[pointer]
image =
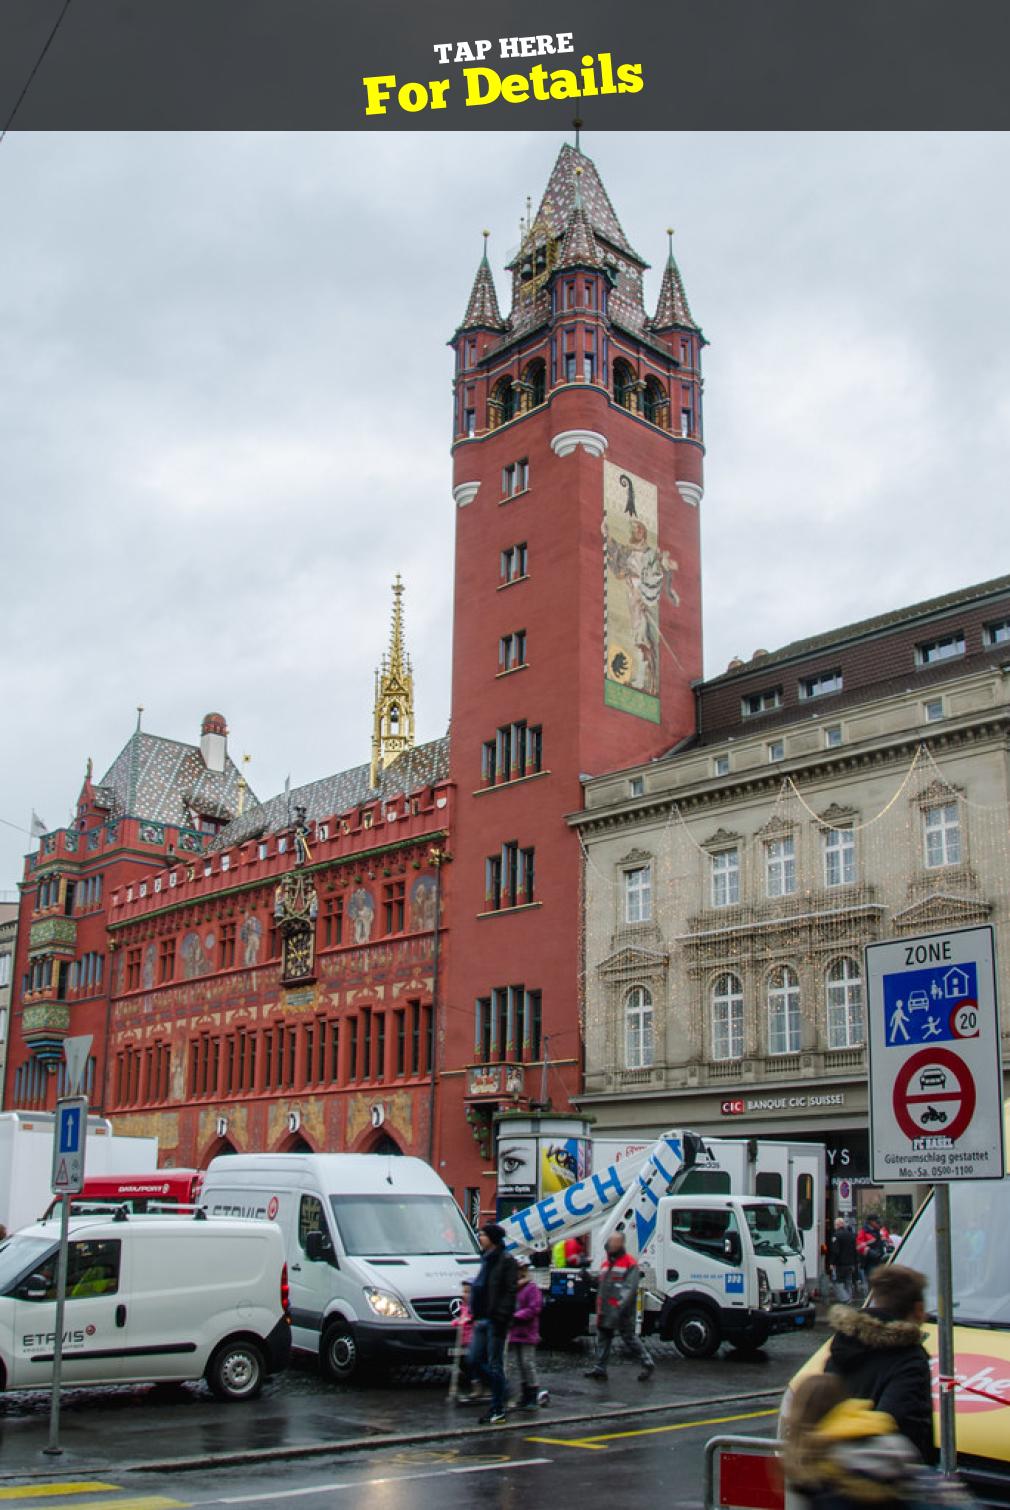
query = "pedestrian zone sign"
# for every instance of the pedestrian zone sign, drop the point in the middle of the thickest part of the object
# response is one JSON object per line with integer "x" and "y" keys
{"x": 936, "y": 1081}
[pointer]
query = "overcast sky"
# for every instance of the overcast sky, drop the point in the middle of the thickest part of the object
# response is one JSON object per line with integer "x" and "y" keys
{"x": 225, "y": 411}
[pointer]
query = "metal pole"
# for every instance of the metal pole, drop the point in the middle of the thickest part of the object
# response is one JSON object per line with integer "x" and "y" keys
{"x": 54, "y": 1449}
{"x": 945, "y": 1329}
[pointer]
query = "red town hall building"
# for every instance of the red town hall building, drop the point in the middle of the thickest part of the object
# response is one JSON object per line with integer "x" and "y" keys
{"x": 387, "y": 957}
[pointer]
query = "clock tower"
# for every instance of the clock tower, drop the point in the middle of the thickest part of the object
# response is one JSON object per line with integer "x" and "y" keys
{"x": 577, "y": 481}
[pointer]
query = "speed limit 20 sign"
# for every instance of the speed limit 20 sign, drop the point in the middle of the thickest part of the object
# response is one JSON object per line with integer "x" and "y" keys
{"x": 936, "y": 1082}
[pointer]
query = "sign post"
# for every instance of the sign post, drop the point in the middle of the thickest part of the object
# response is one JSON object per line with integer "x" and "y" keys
{"x": 70, "y": 1133}
{"x": 936, "y": 1092}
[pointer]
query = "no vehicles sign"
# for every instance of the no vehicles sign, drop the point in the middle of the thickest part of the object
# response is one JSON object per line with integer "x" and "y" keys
{"x": 936, "y": 1083}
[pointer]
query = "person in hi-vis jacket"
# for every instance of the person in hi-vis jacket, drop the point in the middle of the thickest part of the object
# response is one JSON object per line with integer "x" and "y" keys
{"x": 615, "y": 1309}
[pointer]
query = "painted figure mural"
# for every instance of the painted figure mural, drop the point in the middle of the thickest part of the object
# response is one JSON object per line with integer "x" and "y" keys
{"x": 638, "y": 575}
{"x": 251, "y": 934}
{"x": 197, "y": 954}
{"x": 361, "y": 911}
{"x": 422, "y": 904}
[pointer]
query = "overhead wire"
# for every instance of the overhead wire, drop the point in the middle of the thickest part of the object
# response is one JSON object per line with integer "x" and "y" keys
{"x": 35, "y": 68}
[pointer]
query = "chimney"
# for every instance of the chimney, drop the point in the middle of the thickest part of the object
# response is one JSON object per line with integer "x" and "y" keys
{"x": 214, "y": 741}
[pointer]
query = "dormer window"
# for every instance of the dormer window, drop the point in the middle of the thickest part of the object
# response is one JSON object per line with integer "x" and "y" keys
{"x": 947, "y": 648}
{"x": 761, "y": 702}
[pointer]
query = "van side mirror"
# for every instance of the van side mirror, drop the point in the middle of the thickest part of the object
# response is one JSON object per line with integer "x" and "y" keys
{"x": 35, "y": 1287}
{"x": 318, "y": 1247}
{"x": 731, "y": 1247}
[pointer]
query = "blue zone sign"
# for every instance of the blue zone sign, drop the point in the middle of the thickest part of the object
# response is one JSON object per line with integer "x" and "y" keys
{"x": 938, "y": 1005}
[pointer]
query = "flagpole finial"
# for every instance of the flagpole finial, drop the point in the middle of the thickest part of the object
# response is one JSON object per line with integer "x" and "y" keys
{"x": 140, "y": 714}
{"x": 577, "y": 123}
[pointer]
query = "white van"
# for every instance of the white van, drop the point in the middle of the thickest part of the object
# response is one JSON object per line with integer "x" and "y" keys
{"x": 377, "y": 1250}
{"x": 150, "y": 1299}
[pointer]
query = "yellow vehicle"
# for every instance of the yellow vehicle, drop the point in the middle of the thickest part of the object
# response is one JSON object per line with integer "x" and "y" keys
{"x": 980, "y": 1240}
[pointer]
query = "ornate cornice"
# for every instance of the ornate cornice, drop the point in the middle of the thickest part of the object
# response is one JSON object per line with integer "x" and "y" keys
{"x": 567, "y": 441}
{"x": 703, "y": 795}
{"x": 465, "y": 492}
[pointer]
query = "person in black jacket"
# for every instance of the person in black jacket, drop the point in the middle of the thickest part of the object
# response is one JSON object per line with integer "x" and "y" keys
{"x": 842, "y": 1258}
{"x": 492, "y": 1303}
{"x": 879, "y": 1355}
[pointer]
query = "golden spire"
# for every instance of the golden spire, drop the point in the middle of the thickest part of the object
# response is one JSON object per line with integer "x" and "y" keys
{"x": 393, "y": 716}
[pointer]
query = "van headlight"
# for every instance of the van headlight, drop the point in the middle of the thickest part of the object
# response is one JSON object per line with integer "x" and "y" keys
{"x": 388, "y": 1306}
{"x": 764, "y": 1291}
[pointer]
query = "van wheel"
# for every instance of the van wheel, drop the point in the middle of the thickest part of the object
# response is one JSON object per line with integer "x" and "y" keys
{"x": 695, "y": 1332}
{"x": 236, "y": 1371}
{"x": 338, "y": 1353}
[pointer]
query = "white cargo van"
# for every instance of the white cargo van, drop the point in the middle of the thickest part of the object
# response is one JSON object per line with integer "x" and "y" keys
{"x": 149, "y": 1299}
{"x": 377, "y": 1250}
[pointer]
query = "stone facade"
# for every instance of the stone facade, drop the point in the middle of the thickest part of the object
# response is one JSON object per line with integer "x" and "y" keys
{"x": 737, "y": 881}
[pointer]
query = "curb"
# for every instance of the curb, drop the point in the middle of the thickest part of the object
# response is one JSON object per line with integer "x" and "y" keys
{"x": 373, "y": 1443}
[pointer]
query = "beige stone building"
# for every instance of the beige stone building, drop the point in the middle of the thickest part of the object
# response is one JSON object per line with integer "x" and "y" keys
{"x": 848, "y": 788}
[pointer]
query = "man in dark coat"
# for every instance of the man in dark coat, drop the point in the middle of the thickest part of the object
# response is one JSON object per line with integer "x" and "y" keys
{"x": 492, "y": 1303}
{"x": 842, "y": 1258}
{"x": 879, "y": 1355}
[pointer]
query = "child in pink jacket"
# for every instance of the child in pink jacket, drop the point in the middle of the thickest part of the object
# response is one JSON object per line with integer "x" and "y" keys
{"x": 524, "y": 1334}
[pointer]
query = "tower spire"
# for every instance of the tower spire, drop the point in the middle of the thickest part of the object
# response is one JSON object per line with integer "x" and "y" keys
{"x": 579, "y": 248}
{"x": 672, "y": 308}
{"x": 393, "y": 717}
{"x": 482, "y": 312}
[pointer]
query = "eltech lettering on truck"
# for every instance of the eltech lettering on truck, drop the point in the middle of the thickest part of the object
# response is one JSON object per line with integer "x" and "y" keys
{"x": 716, "y": 1268}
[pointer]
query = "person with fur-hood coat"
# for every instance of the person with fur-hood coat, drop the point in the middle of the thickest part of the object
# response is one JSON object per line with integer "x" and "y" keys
{"x": 879, "y": 1356}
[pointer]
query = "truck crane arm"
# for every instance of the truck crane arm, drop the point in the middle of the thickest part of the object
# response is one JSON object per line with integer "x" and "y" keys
{"x": 615, "y": 1199}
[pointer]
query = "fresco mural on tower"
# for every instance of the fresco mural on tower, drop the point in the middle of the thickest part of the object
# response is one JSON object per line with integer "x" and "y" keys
{"x": 637, "y": 575}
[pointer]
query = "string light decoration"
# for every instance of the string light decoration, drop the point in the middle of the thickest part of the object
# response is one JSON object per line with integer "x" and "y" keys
{"x": 804, "y": 878}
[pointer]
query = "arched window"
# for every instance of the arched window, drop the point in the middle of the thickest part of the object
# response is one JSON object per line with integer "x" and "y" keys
{"x": 784, "y": 1033}
{"x": 655, "y": 404}
{"x": 727, "y": 1018}
{"x": 535, "y": 377}
{"x": 502, "y": 403}
{"x": 844, "y": 982}
{"x": 639, "y": 1038}
{"x": 624, "y": 385}
{"x": 394, "y": 719}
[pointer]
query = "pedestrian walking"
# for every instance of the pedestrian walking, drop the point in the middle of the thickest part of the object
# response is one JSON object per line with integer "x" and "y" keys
{"x": 524, "y": 1335}
{"x": 615, "y": 1310}
{"x": 842, "y": 1258}
{"x": 840, "y": 1454}
{"x": 879, "y": 1356}
{"x": 464, "y": 1387}
{"x": 870, "y": 1246}
{"x": 492, "y": 1303}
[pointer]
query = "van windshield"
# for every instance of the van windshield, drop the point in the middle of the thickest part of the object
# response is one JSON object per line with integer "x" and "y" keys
{"x": 773, "y": 1231}
{"x": 387, "y": 1226}
{"x": 980, "y": 1233}
{"x": 19, "y": 1255}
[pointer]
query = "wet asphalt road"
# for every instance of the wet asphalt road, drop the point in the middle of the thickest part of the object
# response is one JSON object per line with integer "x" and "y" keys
{"x": 123, "y": 1446}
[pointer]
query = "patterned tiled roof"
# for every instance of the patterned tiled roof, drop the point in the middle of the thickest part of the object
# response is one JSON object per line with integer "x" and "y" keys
{"x": 890, "y": 620}
{"x": 482, "y": 310}
{"x": 420, "y": 767}
{"x": 579, "y": 247}
{"x": 558, "y": 202}
{"x": 672, "y": 308}
{"x": 166, "y": 781}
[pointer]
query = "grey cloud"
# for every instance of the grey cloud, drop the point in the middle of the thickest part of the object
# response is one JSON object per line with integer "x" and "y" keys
{"x": 224, "y": 410}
